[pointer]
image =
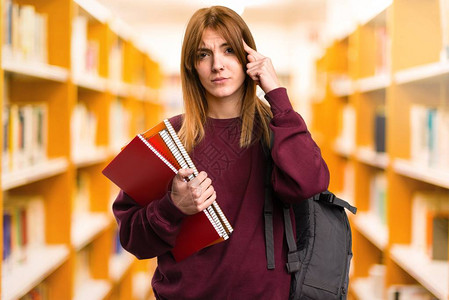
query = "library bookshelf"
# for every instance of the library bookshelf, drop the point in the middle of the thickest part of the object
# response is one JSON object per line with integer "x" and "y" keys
{"x": 383, "y": 122}
{"x": 74, "y": 91}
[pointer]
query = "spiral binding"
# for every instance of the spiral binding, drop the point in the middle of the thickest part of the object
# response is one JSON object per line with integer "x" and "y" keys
{"x": 182, "y": 157}
{"x": 186, "y": 156}
{"x": 174, "y": 150}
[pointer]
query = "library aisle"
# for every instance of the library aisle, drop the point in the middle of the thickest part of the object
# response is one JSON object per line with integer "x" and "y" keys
{"x": 388, "y": 148}
{"x": 76, "y": 88}
{"x": 74, "y": 91}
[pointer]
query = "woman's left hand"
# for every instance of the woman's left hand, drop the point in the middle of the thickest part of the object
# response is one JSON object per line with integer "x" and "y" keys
{"x": 261, "y": 70}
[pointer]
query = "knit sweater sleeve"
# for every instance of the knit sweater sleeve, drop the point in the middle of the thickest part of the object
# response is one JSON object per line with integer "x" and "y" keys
{"x": 299, "y": 170}
{"x": 147, "y": 231}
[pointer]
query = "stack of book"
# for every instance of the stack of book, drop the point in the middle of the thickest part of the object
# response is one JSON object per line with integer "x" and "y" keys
{"x": 144, "y": 169}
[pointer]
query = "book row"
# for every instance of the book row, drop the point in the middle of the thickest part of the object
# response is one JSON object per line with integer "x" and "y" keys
{"x": 85, "y": 52}
{"x": 346, "y": 138}
{"x": 23, "y": 229}
{"x": 84, "y": 124}
{"x": 25, "y": 32}
{"x": 24, "y": 136}
{"x": 429, "y": 136}
{"x": 430, "y": 224}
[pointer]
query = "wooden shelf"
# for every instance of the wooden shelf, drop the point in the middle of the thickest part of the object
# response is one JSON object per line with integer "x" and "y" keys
{"x": 40, "y": 263}
{"x": 343, "y": 148}
{"x": 342, "y": 87}
{"x": 426, "y": 73}
{"x": 433, "y": 275}
{"x": 372, "y": 158}
{"x": 373, "y": 10}
{"x": 86, "y": 226}
{"x": 90, "y": 82}
{"x": 426, "y": 174}
{"x": 93, "y": 289}
{"x": 42, "y": 170}
{"x": 372, "y": 228}
{"x": 120, "y": 89}
{"x": 96, "y": 10}
{"x": 370, "y": 84}
{"x": 35, "y": 70}
{"x": 95, "y": 156}
{"x": 417, "y": 76}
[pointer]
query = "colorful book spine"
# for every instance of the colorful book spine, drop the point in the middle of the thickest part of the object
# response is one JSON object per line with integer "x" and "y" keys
{"x": 429, "y": 136}
{"x": 25, "y": 136}
{"x": 430, "y": 224}
{"x": 23, "y": 228}
{"x": 25, "y": 33}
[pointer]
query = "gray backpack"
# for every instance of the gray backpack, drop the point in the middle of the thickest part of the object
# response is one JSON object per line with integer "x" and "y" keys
{"x": 319, "y": 256}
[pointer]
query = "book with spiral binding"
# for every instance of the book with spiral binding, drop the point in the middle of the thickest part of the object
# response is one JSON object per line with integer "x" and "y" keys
{"x": 144, "y": 169}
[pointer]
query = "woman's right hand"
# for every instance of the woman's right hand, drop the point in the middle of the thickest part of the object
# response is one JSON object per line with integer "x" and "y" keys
{"x": 192, "y": 196}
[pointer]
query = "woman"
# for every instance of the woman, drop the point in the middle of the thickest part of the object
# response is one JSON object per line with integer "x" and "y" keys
{"x": 223, "y": 128}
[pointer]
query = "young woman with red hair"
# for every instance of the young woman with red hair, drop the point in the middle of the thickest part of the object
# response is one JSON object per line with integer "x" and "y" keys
{"x": 223, "y": 128}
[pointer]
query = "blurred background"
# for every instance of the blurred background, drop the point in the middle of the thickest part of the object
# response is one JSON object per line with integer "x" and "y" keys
{"x": 80, "y": 78}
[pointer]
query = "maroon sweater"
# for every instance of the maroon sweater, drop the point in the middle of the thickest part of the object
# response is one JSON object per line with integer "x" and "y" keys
{"x": 236, "y": 268}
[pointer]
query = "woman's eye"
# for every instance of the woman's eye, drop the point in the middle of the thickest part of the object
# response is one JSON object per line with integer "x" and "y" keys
{"x": 229, "y": 50}
{"x": 202, "y": 55}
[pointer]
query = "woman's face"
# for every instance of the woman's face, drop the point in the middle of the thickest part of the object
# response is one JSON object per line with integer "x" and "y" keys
{"x": 218, "y": 68}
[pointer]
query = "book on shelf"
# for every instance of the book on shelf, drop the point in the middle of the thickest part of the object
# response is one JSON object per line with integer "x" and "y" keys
{"x": 82, "y": 267}
{"x": 84, "y": 124}
{"x": 81, "y": 193}
{"x": 116, "y": 61}
{"x": 23, "y": 228}
{"x": 378, "y": 196}
{"x": 347, "y": 121}
{"x": 429, "y": 136}
{"x": 119, "y": 129}
{"x": 85, "y": 52}
{"x": 377, "y": 280}
{"x": 379, "y": 131}
{"x": 25, "y": 136}
{"x": 144, "y": 169}
{"x": 438, "y": 224}
{"x": 25, "y": 33}
{"x": 430, "y": 215}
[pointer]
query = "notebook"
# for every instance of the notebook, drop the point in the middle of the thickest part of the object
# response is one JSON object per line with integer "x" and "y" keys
{"x": 144, "y": 169}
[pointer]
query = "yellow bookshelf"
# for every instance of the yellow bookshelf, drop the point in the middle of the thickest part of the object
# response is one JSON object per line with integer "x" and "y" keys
{"x": 77, "y": 97}
{"x": 393, "y": 65}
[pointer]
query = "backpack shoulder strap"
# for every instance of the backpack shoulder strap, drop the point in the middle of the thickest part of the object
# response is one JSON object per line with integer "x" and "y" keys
{"x": 268, "y": 209}
{"x": 293, "y": 263}
{"x": 292, "y": 258}
{"x": 331, "y": 198}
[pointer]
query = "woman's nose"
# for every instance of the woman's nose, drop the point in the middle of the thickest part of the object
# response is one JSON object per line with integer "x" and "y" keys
{"x": 218, "y": 64}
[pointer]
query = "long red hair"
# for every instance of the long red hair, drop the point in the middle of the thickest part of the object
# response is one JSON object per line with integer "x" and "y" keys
{"x": 253, "y": 112}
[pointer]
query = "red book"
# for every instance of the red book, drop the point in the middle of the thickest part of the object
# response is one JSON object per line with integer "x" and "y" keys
{"x": 144, "y": 170}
